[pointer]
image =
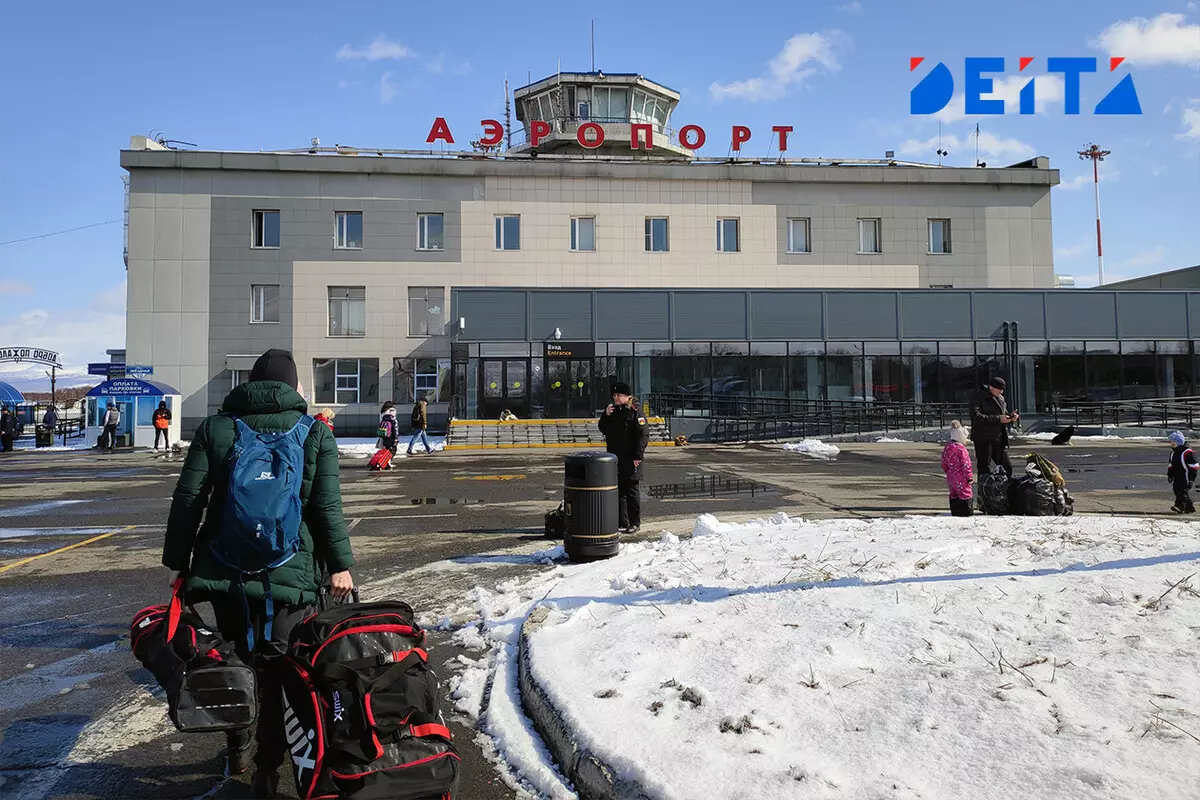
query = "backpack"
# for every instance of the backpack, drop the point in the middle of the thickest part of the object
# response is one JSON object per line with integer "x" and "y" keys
{"x": 361, "y": 713}
{"x": 993, "y": 493}
{"x": 1045, "y": 469}
{"x": 208, "y": 687}
{"x": 260, "y": 529}
{"x": 556, "y": 523}
{"x": 385, "y": 428}
{"x": 415, "y": 419}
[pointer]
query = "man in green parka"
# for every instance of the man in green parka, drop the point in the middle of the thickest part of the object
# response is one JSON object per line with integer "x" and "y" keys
{"x": 268, "y": 403}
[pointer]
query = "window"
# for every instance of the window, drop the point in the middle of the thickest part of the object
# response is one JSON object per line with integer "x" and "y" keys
{"x": 647, "y": 108}
{"x": 430, "y": 232}
{"x": 657, "y": 235}
{"x": 583, "y": 233}
{"x": 421, "y": 377}
{"x": 349, "y": 230}
{"x": 797, "y": 236}
{"x": 346, "y": 380}
{"x": 425, "y": 380}
{"x": 146, "y": 406}
{"x": 939, "y": 236}
{"x": 266, "y": 229}
{"x": 611, "y": 104}
{"x": 264, "y": 302}
{"x": 868, "y": 236}
{"x": 426, "y": 315}
{"x": 238, "y": 377}
{"x": 727, "y": 236}
{"x": 347, "y": 311}
{"x": 508, "y": 233}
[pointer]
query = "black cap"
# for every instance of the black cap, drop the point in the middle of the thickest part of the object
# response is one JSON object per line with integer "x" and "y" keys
{"x": 997, "y": 382}
{"x": 621, "y": 388}
{"x": 276, "y": 365}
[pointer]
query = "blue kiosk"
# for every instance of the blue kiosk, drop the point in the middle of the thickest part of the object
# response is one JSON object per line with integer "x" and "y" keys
{"x": 136, "y": 399}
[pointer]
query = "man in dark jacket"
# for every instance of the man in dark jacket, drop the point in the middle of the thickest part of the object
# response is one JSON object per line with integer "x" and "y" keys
{"x": 626, "y": 435}
{"x": 989, "y": 427}
{"x": 8, "y": 430}
{"x": 268, "y": 403}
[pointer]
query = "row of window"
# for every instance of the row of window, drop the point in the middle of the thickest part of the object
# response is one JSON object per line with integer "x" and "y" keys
{"x": 431, "y": 229}
{"x": 356, "y": 380}
{"x": 348, "y": 308}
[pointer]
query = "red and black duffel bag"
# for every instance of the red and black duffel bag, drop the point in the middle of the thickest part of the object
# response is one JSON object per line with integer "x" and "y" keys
{"x": 361, "y": 713}
{"x": 208, "y": 687}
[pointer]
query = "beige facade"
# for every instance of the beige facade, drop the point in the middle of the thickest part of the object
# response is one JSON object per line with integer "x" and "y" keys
{"x": 192, "y": 263}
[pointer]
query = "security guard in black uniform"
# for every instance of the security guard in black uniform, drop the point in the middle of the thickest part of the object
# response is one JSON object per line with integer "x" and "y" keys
{"x": 626, "y": 435}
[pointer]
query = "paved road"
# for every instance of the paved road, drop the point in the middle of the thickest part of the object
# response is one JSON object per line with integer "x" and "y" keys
{"x": 77, "y": 714}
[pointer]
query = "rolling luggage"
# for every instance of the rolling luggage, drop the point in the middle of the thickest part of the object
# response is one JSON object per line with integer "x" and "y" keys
{"x": 361, "y": 710}
{"x": 208, "y": 687}
{"x": 381, "y": 460}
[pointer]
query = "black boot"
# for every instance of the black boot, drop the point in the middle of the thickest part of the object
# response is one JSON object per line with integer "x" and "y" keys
{"x": 265, "y": 783}
{"x": 239, "y": 750}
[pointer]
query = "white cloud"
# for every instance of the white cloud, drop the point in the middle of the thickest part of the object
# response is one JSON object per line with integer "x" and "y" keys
{"x": 387, "y": 89}
{"x": 1166, "y": 39}
{"x": 78, "y": 335}
{"x": 1074, "y": 251}
{"x": 15, "y": 287}
{"x": 1047, "y": 89}
{"x": 991, "y": 148}
{"x": 381, "y": 48}
{"x": 1086, "y": 179}
{"x": 439, "y": 66}
{"x": 1191, "y": 121}
{"x": 788, "y": 69}
{"x": 854, "y": 7}
{"x": 1146, "y": 258}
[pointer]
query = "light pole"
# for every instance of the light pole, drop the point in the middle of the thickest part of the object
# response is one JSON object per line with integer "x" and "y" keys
{"x": 1097, "y": 155}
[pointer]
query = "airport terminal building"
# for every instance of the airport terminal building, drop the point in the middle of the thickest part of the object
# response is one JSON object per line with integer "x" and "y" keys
{"x": 528, "y": 277}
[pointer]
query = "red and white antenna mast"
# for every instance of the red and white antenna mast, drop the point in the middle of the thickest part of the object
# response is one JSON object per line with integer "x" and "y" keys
{"x": 1097, "y": 155}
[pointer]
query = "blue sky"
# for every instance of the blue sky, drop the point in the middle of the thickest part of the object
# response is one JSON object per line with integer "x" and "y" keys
{"x": 78, "y": 79}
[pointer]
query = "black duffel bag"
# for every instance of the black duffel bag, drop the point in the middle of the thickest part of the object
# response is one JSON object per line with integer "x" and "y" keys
{"x": 208, "y": 687}
{"x": 361, "y": 713}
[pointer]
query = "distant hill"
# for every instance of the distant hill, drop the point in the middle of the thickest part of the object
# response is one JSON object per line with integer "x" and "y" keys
{"x": 66, "y": 396}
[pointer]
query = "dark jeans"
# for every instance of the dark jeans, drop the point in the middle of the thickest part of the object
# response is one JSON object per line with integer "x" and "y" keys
{"x": 988, "y": 453}
{"x": 629, "y": 493}
{"x": 6, "y": 442}
{"x": 960, "y": 507}
{"x": 1183, "y": 498}
{"x": 110, "y": 437}
{"x": 161, "y": 432}
{"x": 267, "y": 660}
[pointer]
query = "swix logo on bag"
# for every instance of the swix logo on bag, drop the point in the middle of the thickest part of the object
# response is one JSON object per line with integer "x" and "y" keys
{"x": 337, "y": 707}
{"x": 299, "y": 740}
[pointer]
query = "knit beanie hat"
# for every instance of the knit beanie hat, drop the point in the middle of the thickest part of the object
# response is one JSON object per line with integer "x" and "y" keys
{"x": 957, "y": 432}
{"x": 276, "y": 365}
{"x": 1176, "y": 438}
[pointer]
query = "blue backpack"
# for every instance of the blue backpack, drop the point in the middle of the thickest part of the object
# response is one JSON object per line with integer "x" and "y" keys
{"x": 260, "y": 529}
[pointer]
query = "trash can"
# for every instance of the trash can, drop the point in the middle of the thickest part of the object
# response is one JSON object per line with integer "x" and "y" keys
{"x": 44, "y": 436}
{"x": 590, "y": 506}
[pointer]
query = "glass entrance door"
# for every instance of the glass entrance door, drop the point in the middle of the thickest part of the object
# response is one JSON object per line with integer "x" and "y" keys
{"x": 569, "y": 388}
{"x": 505, "y": 385}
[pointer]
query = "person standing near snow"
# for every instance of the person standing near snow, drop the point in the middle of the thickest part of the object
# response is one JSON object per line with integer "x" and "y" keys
{"x": 956, "y": 463}
{"x": 626, "y": 436}
{"x": 1182, "y": 472}
{"x": 989, "y": 427}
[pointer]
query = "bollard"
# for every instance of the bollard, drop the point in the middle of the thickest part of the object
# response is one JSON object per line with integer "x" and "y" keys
{"x": 590, "y": 506}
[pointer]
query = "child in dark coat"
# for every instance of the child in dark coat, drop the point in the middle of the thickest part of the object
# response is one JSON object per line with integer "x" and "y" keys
{"x": 1182, "y": 472}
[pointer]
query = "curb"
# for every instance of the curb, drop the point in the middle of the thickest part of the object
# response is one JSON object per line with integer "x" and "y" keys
{"x": 540, "y": 445}
{"x": 592, "y": 778}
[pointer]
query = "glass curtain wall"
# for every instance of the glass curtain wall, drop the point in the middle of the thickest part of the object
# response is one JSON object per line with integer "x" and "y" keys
{"x": 768, "y": 369}
{"x": 1067, "y": 372}
{"x": 1034, "y": 377}
{"x": 843, "y": 371}
{"x": 1174, "y": 368}
{"x": 1102, "y": 362}
{"x": 1139, "y": 371}
{"x": 956, "y": 379}
{"x": 886, "y": 375}
{"x": 805, "y": 370}
{"x": 920, "y": 360}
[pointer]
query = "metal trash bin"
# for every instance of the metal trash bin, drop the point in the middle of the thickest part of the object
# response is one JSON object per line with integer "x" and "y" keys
{"x": 591, "y": 507}
{"x": 44, "y": 437}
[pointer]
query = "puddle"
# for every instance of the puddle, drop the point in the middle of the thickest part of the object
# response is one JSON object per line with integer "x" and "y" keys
{"x": 444, "y": 501}
{"x": 708, "y": 486}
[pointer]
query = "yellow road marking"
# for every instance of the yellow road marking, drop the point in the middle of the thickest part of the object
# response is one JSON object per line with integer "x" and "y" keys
{"x": 25, "y": 561}
{"x": 489, "y": 477}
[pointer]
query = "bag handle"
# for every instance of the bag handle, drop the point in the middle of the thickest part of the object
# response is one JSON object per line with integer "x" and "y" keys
{"x": 175, "y": 610}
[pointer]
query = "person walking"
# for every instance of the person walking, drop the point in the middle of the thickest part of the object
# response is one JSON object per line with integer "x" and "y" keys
{"x": 956, "y": 463}
{"x": 626, "y": 436}
{"x": 389, "y": 430}
{"x": 1182, "y": 473}
{"x": 990, "y": 419}
{"x": 162, "y": 425}
{"x": 420, "y": 421}
{"x": 8, "y": 430}
{"x": 112, "y": 418}
{"x": 326, "y": 416}
{"x": 50, "y": 420}
{"x": 267, "y": 403}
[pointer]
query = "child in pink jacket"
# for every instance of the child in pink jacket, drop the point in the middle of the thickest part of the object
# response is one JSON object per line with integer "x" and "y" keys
{"x": 956, "y": 463}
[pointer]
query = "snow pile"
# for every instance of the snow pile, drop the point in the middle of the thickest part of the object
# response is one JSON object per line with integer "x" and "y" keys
{"x": 1045, "y": 436}
{"x": 813, "y": 447}
{"x": 889, "y": 440}
{"x": 365, "y": 448}
{"x": 924, "y": 657}
{"x": 73, "y": 443}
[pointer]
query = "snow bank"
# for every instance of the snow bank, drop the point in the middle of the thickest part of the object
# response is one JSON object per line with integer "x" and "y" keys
{"x": 365, "y": 448}
{"x": 813, "y": 447}
{"x": 924, "y": 657}
{"x": 1045, "y": 436}
{"x": 889, "y": 440}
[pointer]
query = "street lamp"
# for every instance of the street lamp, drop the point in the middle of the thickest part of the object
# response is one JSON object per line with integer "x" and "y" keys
{"x": 1096, "y": 155}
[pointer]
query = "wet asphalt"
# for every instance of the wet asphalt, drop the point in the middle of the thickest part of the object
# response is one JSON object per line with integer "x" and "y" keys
{"x": 79, "y": 717}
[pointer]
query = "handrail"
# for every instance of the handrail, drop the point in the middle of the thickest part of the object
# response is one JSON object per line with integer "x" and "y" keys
{"x": 1159, "y": 411}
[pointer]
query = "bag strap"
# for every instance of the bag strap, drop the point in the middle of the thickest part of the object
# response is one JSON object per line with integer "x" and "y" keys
{"x": 175, "y": 609}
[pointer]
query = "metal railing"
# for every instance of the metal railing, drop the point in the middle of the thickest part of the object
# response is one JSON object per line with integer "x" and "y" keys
{"x": 743, "y": 418}
{"x": 1181, "y": 412}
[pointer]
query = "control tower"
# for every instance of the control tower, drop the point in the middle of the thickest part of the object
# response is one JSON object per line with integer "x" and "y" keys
{"x": 615, "y": 101}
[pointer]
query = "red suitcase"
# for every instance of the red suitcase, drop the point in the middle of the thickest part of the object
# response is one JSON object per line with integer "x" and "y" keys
{"x": 381, "y": 460}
